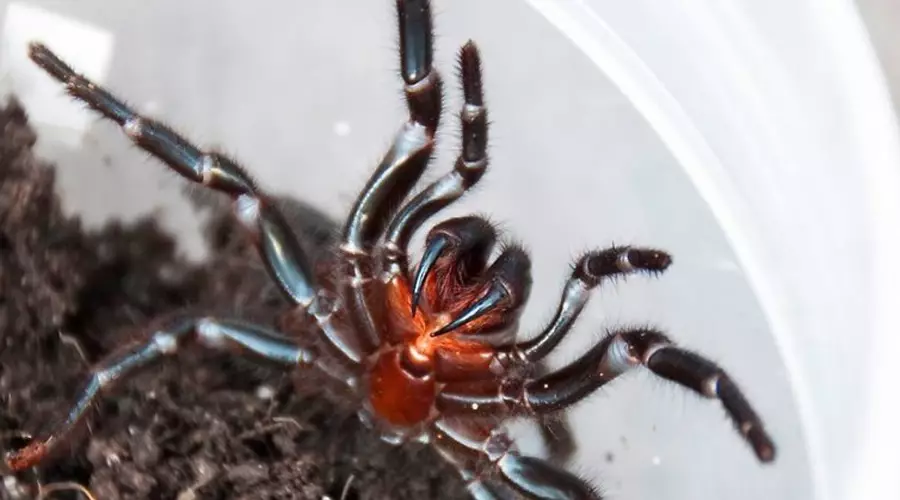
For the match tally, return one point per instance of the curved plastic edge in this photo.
(871, 469)
(875, 473)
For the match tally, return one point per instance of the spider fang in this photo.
(494, 296)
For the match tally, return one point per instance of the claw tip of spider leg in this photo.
(650, 259)
(47, 60)
(762, 445)
(470, 71)
(36, 50)
(469, 54)
(26, 457)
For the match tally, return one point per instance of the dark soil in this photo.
(199, 427)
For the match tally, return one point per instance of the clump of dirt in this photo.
(204, 426)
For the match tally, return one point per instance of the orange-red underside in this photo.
(404, 379)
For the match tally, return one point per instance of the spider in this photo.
(430, 351)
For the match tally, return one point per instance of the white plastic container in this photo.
(779, 114)
(753, 139)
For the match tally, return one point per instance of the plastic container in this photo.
(753, 139)
(779, 114)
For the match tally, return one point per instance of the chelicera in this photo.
(429, 351)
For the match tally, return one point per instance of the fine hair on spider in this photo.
(430, 352)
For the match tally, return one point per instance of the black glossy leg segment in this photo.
(173, 336)
(411, 151)
(555, 429)
(538, 479)
(707, 379)
(363, 295)
(579, 379)
(613, 356)
(470, 165)
(286, 261)
(532, 479)
(395, 177)
(492, 469)
(416, 39)
(589, 272)
(483, 489)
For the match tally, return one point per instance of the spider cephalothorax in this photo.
(429, 352)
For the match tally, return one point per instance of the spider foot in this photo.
(29, 456)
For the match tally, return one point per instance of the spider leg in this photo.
(456, 251)
(555, 429)
(410, 153)
(287, 263)
(524, 359)
(468, 170)
(400, 169)
(613, 356)
(591, 270)
(156, 344)
(493, 470)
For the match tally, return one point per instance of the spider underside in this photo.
(430, 352)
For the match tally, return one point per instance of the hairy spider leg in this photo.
(555, 428)
(614, 355)
(411, 150)
(396, 175)
(286, 261)
(590, 271)
(469, 167)
(492, 468)
(165, 339)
